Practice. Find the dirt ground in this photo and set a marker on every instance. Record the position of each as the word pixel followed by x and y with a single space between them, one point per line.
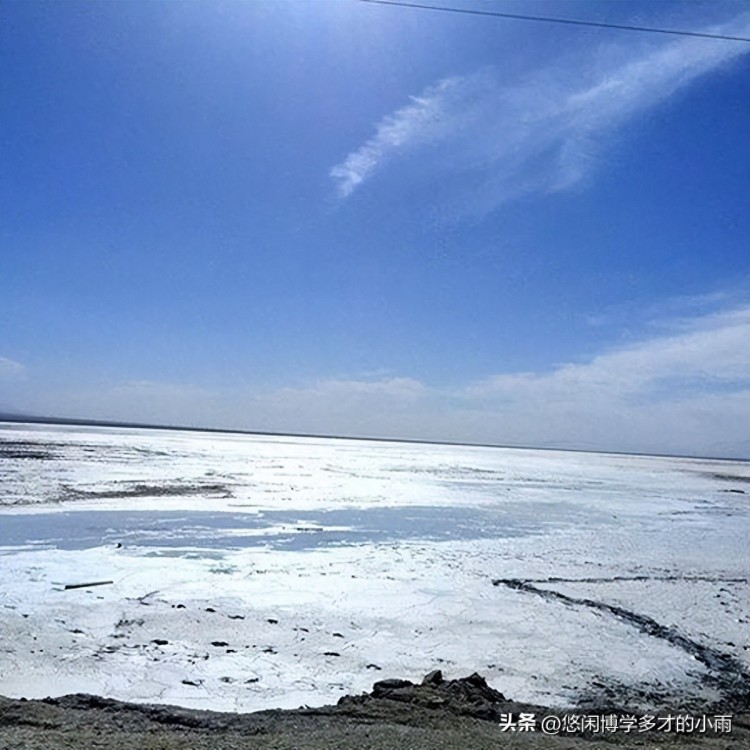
pixel 439 714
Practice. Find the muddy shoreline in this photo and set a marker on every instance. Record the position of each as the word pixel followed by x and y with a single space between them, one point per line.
pixel 437 714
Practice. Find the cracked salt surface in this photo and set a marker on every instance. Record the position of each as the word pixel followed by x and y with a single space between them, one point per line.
pixel 253 572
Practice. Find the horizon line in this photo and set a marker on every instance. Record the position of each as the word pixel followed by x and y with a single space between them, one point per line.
pixel 80 422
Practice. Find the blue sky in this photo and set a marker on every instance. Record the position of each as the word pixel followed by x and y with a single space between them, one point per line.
pixel 337 217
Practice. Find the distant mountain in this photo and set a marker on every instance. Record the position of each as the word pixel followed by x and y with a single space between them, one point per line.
pixel 17 417
pixel 7 415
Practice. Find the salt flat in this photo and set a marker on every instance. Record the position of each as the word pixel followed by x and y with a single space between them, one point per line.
pixel 252 571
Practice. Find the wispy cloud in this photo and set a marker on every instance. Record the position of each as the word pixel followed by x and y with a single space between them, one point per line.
pixel 429 117
pixel 711 353
pixel 132 401
pixel 688 391
pixel 386 406
pixel 156 390
pixel 387 387
pixel 544 135
pixel 9 368
pixel 683 390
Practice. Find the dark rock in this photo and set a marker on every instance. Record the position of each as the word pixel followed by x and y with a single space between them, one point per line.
pixel 350 700
pixel 385 686
pixel 81 701
pixel 471 695
pixel 433 678
pixel 402 695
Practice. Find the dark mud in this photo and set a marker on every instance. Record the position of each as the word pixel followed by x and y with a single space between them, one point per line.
pixel 127 490
pixel 50 450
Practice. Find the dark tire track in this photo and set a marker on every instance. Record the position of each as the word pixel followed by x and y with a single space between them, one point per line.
pixel 728 673
pixel 619 579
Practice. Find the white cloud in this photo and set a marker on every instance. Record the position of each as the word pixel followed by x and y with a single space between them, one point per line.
pixel 389 387
pixel 153 389
pixel 686 391
pixel 10 368
pixel 152 401
pixel 428 118
pixel 148 401
pixel 713 352
pixel 543 135
pixel 386 407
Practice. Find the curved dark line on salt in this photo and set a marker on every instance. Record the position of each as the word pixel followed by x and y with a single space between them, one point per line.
pixel 727 669
pixel 618 579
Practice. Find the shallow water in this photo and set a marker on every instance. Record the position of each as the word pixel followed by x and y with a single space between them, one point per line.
pixel 290 530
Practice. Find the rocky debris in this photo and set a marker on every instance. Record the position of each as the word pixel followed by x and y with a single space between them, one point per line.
pixel 433 678
pixel 471 696
pixel 437 714
pixel 381 688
